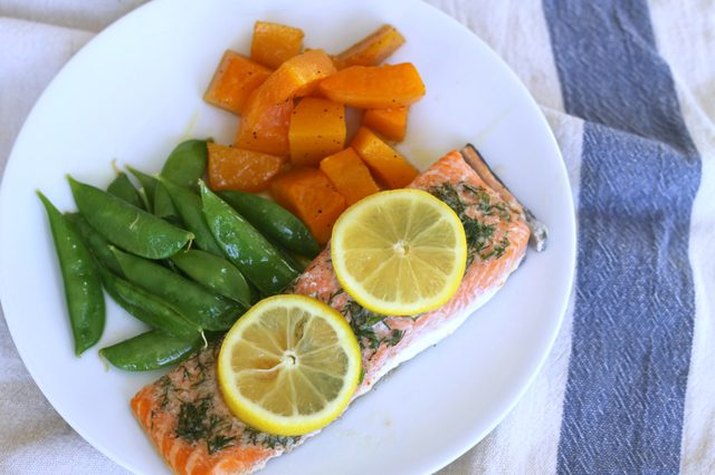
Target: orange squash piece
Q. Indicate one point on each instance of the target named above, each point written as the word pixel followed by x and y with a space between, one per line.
pixel 232 168
pixel 266 118
pixel 349 175
pixel 371 50
pixel 317 129
pixel 234 80
pixel 375 87
pixel 273 43
pixel 391 168
pixel 390 123
pixel 307 193
pixel 266 130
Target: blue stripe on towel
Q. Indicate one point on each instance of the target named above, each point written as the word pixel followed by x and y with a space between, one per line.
pixel 633 320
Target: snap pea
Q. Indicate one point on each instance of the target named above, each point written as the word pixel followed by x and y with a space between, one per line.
pixel 144 306
pixel 216 273
pixel 188 205
pixel 148 308
pixel 290 258
pixel 158 200
pixel 127 226
pixel 82 284
pixel 245 247
pixel 150 350
pixel 148 183
pixel 295 260
pixel 274 221
pixel 202 307
pixel 122 187
pixel 302 262
pixel 164 206
pixel 186 163
pixel 96 242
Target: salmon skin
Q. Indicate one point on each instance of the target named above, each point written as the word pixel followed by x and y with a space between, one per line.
pixel 183 412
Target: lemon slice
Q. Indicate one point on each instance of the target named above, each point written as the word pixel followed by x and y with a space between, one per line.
pixel 289 365
pixel 399 252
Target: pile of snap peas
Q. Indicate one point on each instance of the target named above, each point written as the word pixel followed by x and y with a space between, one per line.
pixel 184 260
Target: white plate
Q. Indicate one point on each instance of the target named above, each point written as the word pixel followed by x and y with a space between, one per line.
pixel 134 91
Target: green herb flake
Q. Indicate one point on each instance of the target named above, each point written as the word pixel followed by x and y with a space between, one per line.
pixel 196 423
pixel 219 442
pixel 363 323
pixel 498 250
pixel 450 196
pixel 254 437
pixel 479 234
pixel 165 386
pixel 191 424
pixel 395 337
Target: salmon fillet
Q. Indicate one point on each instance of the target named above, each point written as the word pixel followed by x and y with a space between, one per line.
pixel 183 412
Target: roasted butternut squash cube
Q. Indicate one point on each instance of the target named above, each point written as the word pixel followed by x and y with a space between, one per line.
pixel 267 131
pixel 232 168
pixel 234 80
pixel 349 174
pixel 317 129
pixel 371 50
pixel 307 193
pixel 390 123
pixel 273 43
pixel 266 118
pixel 374 87
pixel 391 168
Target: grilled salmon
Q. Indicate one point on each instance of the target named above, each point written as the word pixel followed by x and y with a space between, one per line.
pixel 183 412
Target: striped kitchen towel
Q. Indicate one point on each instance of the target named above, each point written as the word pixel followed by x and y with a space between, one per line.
pixel 628 87
pixel 629 90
